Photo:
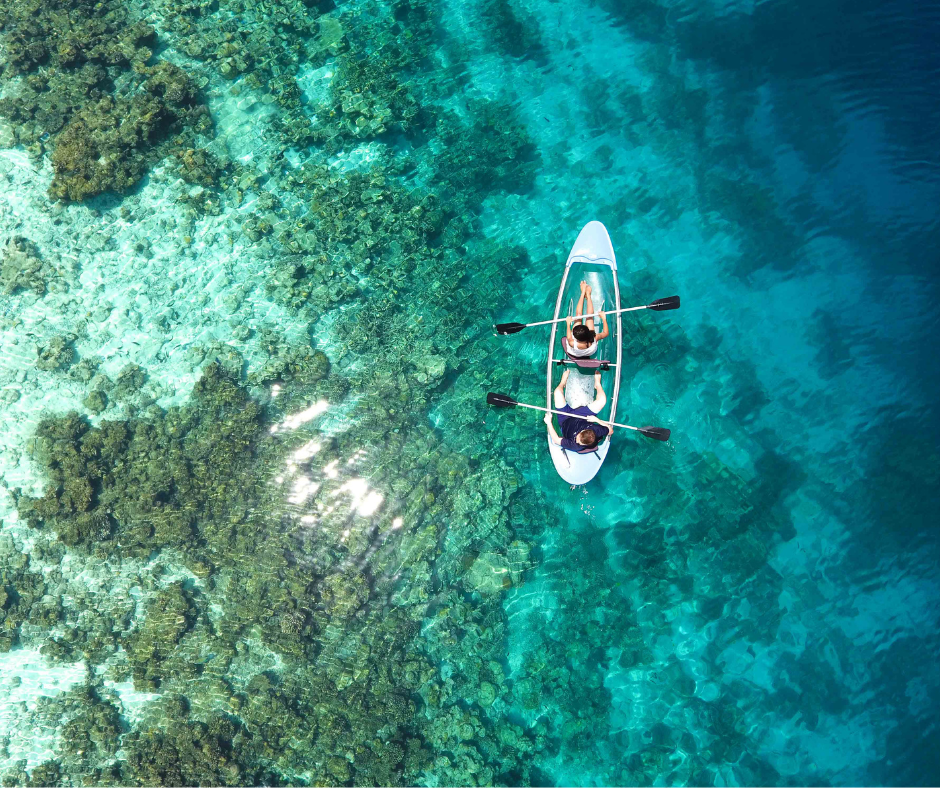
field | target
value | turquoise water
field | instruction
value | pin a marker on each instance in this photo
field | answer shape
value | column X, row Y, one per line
column 259, row 525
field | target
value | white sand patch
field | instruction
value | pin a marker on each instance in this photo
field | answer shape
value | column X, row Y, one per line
column 26, row 676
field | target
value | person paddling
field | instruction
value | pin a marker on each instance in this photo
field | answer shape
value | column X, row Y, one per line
column 582, row 339
column 581, row 431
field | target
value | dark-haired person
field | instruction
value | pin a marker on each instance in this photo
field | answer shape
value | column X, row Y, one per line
column 581, row 430
column 582, row 338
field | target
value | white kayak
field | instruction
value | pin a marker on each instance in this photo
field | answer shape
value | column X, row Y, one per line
column 591, row 259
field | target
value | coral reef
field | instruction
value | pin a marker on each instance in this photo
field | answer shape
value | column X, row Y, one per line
column 57, row 354
column 355, row 661
column 92, row 732
column 129, row 382
column 86, row 496
column 168, row 616
column 68, row 33
column 320, row 602
column 96, row 401
column 21, row 592
column 108, row 145
column 89, row 95
column 368, row 100
column 22, row 267
column 188, row 753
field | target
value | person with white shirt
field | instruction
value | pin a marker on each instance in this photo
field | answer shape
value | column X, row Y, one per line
column 582, row 338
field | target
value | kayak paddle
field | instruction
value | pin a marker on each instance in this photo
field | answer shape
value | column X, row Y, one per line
column 504, row 401
column 661, row 305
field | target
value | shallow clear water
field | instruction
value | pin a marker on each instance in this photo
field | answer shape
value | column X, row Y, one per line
column 282, row 567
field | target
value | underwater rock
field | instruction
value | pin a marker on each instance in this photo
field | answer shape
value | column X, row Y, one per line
column 129, row 382
column 85, row 369
column 200, row 166
column 331, row 32
column 488, row 693
column 96, row 401
column 57, row 354
column 22, row 267
column 489, row 574
column 92, row 733
column 431, row 367
column 518, row 558
column 298, row 363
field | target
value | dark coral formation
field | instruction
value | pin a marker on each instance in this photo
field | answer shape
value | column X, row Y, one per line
column 89, row 95
column 92, row 733
column 169, row 615
column 239, row 37
column 71, row 33
column 367, row 100
column 341, row 602
column 22, row 589
column 105, row 477
column 181, row 752
column 108, row 145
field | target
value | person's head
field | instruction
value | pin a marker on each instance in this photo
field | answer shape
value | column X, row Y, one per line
column 586, row 437
column 583, row 335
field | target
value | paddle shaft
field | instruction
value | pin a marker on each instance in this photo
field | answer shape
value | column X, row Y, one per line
column 582, row 317
column 562, row 413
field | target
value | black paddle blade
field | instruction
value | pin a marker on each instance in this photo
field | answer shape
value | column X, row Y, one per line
column 509, row 328
column 499, row 400
column 665, row 303
column 656, row 433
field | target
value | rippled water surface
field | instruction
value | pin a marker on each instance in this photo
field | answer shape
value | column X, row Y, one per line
column 259, row 525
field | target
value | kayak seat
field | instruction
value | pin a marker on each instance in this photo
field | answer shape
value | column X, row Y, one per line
column 584, row 363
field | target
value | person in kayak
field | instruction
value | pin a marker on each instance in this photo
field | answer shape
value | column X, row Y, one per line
column 582, row 338
column 581, row 430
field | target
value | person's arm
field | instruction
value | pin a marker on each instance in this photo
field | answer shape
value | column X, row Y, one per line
column 570, row 335
column 606, row 331
column 552, row 435
column 608, row 424
column 600, row 397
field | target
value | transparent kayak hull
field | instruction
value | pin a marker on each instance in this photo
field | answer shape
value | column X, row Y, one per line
column 591, row 259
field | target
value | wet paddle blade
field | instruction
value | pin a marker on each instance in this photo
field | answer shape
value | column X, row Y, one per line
column 509, row 328
column 665, row 303
column 500, row 400
column 656, row 433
